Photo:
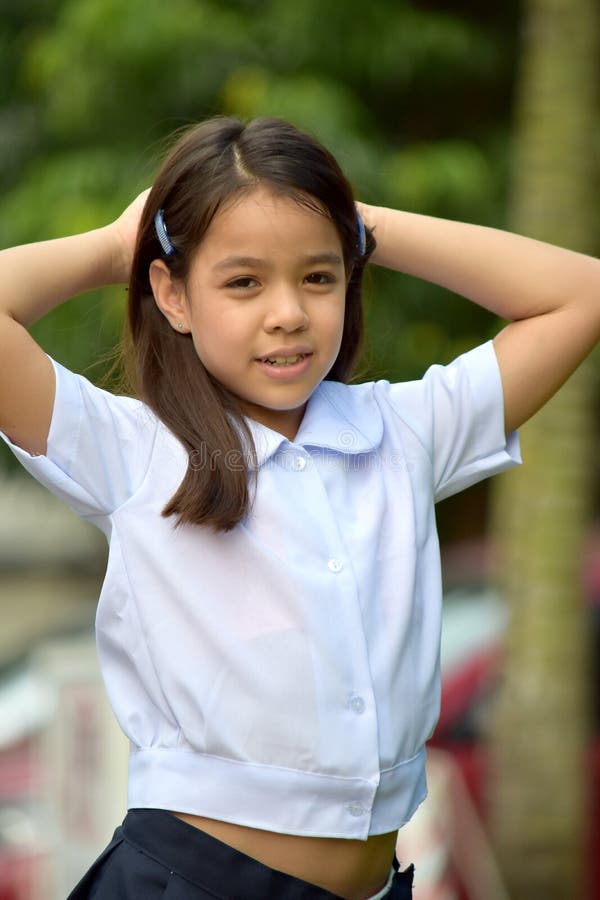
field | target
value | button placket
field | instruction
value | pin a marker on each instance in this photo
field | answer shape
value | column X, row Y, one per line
column 357, row 705
column 356, row 809
column 299, row 463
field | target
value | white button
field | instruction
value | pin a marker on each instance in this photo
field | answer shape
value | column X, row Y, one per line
column 356, row 809
column 334, row 565
column 358, row 705
column 299, row 463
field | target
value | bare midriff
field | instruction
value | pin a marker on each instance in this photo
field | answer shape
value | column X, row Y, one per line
column 349, row 868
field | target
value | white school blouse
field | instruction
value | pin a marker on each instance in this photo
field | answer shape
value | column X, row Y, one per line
column 285, row 675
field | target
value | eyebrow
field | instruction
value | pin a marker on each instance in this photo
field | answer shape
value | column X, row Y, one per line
column 240, row 262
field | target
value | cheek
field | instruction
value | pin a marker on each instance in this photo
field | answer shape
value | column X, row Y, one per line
column 220, row 344
column 334, row 322
column 211, row 327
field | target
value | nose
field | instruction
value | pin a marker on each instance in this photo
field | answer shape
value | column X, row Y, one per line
column 286, row 311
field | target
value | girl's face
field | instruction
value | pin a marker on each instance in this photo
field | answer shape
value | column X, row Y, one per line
column 264, row 302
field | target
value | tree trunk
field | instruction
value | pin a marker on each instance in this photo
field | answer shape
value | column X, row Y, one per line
column 540, row 513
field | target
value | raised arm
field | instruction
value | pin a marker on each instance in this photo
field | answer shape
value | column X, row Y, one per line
column 34, row 279
column 551, row 296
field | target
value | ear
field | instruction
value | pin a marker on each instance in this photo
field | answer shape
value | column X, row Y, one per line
column 169, row 295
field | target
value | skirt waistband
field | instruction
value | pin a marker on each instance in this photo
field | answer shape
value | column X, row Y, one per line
column 215, row 866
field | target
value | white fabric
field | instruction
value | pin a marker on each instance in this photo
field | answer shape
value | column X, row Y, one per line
column 285, row 675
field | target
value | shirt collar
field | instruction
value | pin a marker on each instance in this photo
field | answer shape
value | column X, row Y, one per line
column 337, row 417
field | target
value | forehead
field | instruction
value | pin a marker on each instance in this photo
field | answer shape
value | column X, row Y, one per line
column 262, row 216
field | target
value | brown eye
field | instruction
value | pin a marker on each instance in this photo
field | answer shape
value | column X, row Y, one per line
column 243, row 283
column 321, row 278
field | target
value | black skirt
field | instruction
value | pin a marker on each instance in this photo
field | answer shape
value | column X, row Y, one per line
column 155, row 856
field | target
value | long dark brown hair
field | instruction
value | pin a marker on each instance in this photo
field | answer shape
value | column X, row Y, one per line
column 208, row 164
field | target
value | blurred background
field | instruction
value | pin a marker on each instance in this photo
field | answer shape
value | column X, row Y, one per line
column 486, row 112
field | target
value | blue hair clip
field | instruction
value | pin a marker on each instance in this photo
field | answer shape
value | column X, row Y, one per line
column 362, row 235
column 161, row 233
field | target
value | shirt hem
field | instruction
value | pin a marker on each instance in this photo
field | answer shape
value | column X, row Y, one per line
column 281, row 800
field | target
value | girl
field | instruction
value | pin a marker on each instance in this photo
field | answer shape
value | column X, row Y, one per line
column 268, row 629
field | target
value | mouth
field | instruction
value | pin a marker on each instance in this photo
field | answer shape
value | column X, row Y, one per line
column 284, row 360
column 284, row 366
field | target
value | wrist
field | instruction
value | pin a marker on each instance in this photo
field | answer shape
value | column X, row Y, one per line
column 115, row 254
column 374, row 219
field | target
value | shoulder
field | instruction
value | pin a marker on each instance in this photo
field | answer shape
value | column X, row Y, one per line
column 469, row 384
column 78, row 395
column 471, row 376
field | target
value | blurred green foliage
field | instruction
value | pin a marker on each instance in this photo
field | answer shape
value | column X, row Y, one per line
column 413, row 98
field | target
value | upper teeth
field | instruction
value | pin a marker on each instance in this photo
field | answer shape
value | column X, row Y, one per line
column 284, row 360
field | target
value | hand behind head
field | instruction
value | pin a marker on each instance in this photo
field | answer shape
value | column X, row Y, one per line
column 125, row 230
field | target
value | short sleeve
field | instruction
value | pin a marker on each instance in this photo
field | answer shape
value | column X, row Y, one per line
column 99, row 446
column 457, row 413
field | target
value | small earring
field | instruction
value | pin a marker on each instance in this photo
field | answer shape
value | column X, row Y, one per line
column 180, row 325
